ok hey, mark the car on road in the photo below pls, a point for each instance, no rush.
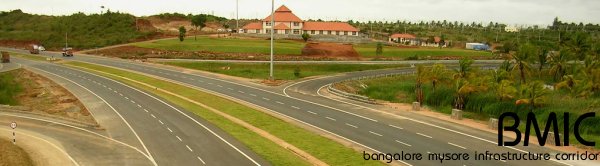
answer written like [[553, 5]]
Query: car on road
[[67, 51]]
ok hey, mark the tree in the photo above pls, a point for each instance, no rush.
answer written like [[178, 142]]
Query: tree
[[199, 21], [182, 32], [464, 68], [421, 76], [505, 90], [542, 58], [522, 58], [579, 43], [558, 62], [438, 74], [305, 37], [533, 94], [379, 49]]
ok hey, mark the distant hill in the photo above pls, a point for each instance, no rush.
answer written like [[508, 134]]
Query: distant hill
[[84, 31]]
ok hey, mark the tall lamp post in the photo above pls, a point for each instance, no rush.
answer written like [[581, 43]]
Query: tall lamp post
[[272, 32]]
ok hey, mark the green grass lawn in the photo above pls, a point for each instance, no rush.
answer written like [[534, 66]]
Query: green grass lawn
[[322, 148], [281, 71], [368, 50], [226, 45]]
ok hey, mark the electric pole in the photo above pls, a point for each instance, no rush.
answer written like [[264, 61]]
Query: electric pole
[[272, 32], [237, 16]]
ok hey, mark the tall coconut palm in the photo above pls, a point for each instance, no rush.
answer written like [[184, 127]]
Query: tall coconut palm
[[505, 90], [421, 77], [522, 58], [533, 94], [438, 74], [579, 43], [464, 68], [558, 62]]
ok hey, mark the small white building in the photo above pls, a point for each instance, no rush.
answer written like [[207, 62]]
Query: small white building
[[511, 29]]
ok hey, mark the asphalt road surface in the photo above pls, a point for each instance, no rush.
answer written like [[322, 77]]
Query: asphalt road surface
[[373, 130], [165, 134]]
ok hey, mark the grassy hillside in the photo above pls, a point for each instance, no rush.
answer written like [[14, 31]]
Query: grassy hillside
[[84, 31]]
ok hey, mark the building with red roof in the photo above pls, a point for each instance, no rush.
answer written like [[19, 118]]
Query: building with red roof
[[286, 22]]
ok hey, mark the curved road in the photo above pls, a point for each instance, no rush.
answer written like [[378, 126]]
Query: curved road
[[164, 133], [362, 125]]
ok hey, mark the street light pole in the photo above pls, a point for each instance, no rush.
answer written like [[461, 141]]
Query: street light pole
[[237, 16], [272, 32]]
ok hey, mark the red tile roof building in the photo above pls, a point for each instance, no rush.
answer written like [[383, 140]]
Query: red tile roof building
[[287, 22]]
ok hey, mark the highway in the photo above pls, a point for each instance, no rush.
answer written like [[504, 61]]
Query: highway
[[363, 125], [165, 134]]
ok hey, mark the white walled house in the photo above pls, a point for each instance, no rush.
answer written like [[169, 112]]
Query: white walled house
[[287, 22]]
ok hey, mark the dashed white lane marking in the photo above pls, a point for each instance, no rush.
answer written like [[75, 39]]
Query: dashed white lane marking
[[279, 102], [132, 101], [189, 148], [146, 110], [201, 160], [210, 83], [109, 88], [192, 79], [121, 94], [115, 91], [180, 140], [241, 91], [351, 125], [139, 106], [424, 135], [152, 115], [252, 95], [403, 143], [159, 121], [296, 107], [462, 147], [374, 133], [200, 81], [219, 86], [266, 99], [230, 88], [314, 113], [169, 129], [330, 118], [428, 152], [396, 127], [127, 98]]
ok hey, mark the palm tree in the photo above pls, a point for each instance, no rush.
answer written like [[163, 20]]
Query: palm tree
[[464, 68], [421, 76], [438, 74], [542, 59], [533, 94], [522, 58], [464, 88], [579, 44], [558, 61]]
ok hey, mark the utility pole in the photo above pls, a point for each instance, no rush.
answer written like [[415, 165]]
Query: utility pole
[[237, 16], [272, 32], [66, 40]]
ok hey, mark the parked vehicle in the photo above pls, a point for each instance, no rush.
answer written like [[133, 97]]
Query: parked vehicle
[[5, 57], [67, 51]]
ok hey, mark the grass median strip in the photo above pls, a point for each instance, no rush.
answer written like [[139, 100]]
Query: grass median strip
[[322, 148]]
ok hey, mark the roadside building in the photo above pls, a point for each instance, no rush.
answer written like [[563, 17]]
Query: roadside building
[[477, 46], [405, 39], [433, 42], [511, 29], [286, 22]]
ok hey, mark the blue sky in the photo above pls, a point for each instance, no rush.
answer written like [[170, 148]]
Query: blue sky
[[512, 12]]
